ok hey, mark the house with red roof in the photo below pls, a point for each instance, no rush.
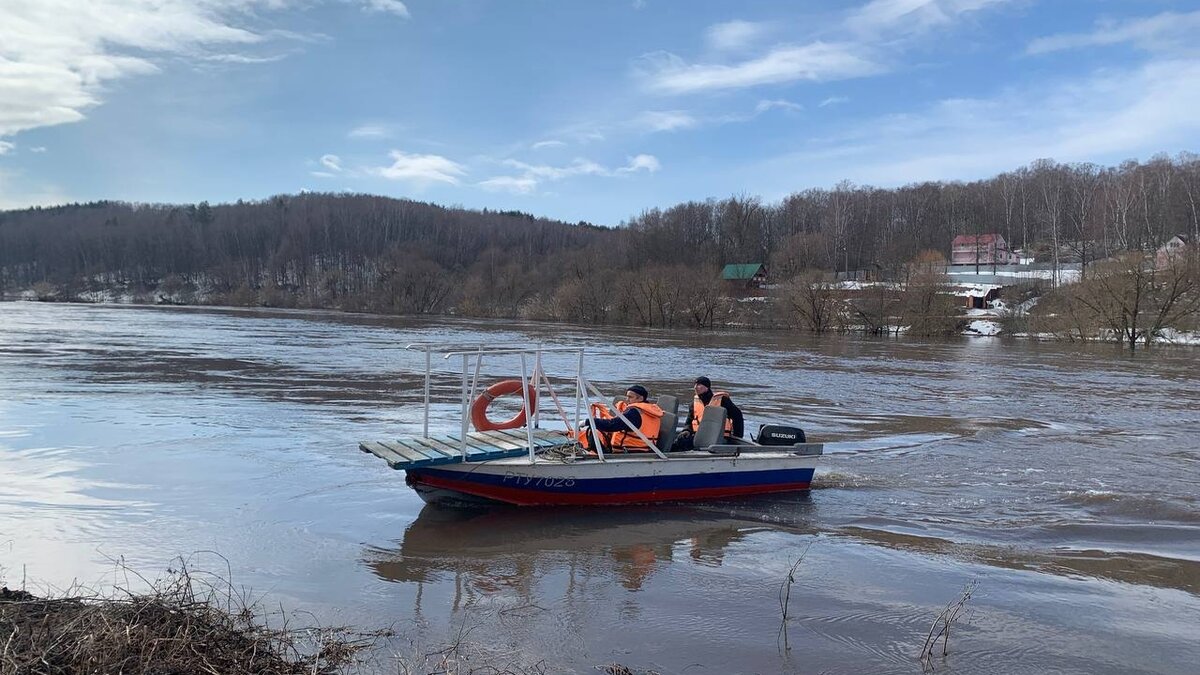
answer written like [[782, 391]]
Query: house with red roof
[[980, 249]]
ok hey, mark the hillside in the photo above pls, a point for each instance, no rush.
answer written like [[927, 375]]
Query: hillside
[[370, 253]]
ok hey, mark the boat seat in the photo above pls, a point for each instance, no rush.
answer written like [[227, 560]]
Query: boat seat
[[666, 431], [712, 428], [669, 404]]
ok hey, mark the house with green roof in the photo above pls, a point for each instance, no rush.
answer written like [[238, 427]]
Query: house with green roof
[[743, 277]]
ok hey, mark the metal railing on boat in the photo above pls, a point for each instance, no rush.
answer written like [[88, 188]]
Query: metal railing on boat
[[428, 450]]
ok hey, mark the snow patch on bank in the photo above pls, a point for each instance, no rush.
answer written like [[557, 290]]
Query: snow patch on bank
[[982, 327], [1175, 337]]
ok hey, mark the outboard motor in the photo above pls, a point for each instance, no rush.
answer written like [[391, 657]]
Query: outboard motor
[[778, 434]]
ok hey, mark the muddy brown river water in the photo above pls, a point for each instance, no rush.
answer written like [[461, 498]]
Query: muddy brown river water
[[1063, 480]]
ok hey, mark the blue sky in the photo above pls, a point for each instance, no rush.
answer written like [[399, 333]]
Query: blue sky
[[579, 110]]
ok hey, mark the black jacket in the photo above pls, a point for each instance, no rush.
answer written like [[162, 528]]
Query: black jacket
[[732, 412], [615, 423]]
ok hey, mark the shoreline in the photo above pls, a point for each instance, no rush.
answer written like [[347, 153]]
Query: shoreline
[[980, 323]]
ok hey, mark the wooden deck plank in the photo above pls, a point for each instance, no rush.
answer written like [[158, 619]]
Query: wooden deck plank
[[442, 445], [428, 453], [499, 443], [408, 453], [514, 435], [383, 453], [431, 456], [490, 446], [445, 455], [541, 437], [485, 450], [413, 457], [455, 444]]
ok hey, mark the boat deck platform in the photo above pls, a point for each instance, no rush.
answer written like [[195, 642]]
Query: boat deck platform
[[411, 453]]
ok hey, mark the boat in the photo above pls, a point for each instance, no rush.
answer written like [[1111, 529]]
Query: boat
[[524, 461]]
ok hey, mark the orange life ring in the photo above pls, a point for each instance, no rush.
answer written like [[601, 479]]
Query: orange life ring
[[479, 408]]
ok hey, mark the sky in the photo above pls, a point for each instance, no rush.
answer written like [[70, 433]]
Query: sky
[[581, 110]]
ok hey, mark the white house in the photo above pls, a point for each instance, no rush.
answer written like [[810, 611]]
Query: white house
[[1173, 249]]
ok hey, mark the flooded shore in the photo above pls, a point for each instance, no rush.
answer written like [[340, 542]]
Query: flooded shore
[[1063, 479]]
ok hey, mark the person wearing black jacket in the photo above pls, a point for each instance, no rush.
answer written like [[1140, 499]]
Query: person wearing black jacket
[[619, 434], [734, 421]]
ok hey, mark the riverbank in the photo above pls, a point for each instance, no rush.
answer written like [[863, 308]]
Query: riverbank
[[755, 313], [196, 621], [188, 622]]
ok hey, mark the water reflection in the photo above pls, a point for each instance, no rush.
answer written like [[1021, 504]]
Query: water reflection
[[505, 548]]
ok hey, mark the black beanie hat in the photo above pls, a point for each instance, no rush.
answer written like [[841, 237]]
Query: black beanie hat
[[639, 390], [704, 381]]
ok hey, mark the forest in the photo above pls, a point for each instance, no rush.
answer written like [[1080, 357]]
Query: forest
[[661, 267]]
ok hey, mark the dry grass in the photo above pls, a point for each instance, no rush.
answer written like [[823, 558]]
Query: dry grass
[[187, 623], [785, 596], [944, 622], [195, 622]]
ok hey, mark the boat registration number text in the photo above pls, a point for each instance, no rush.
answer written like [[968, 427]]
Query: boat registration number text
[[537, 481]]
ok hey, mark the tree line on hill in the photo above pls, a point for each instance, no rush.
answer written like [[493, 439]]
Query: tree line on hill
[[660, 268]]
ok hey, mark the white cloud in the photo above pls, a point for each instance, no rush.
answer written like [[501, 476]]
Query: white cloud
[[6, 147], [664, 120], [521, 185], [647, 163], [369, 132], [1105, 118], [533, 175], [735, 35], [420, 169], [323, 174], [331, 162], [1163, 32], [832, 100], [244, 59], [912, 16], [38, 149], [765, 105], [57, 55], [390, 6], [542, 145], [817, 61], [578, 167], [870, 36]]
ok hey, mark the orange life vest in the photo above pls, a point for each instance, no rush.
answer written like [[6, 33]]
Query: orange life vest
[[715, 402], [651, 416]]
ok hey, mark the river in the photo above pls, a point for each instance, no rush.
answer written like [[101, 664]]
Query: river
[[1063, 481]]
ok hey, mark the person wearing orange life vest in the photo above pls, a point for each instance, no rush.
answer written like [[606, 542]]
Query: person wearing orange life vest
[[615, 434], [705, 398]]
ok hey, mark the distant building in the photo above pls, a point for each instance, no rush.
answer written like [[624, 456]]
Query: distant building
[[1172, 250], [980, 249], [975, 296], [744, 278]]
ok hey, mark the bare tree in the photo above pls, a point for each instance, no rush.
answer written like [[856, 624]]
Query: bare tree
[[814, 298], [1136, 299]]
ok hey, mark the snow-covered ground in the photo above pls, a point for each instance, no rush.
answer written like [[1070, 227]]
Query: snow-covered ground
[[1067, 274], [1172, 336], [107, 296], [982, 327]]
